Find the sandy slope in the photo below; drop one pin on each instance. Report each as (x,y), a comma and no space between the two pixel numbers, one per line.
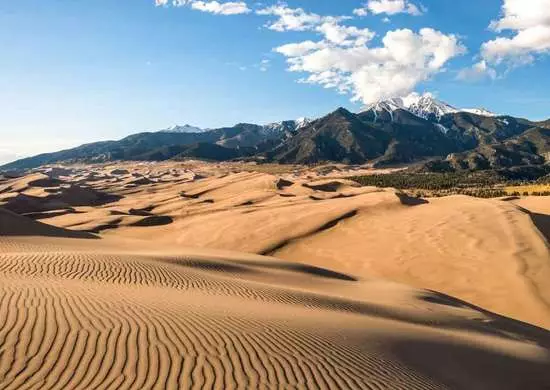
(483,251)
(117,313)
(489,252)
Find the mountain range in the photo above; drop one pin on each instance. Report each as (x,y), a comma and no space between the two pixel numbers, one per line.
(417,128)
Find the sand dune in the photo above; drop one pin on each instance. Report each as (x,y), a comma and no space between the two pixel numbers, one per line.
(12,224)
(489,252)
(79,315)
(346,297)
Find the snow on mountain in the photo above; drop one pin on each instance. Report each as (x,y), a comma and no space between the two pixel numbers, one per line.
(285,126)
(302,122)
(479,111)
(424,106)
(183,129)
(388,106)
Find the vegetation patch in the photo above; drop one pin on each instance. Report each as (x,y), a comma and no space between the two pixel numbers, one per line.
(482,184)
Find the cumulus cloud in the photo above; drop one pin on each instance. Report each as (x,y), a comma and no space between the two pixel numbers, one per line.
(340,35)
(214,7)
(229,8)
(296,19)
(300,49)
(477,72)
(293,19)
(388,7)
(395,68)
(529,23)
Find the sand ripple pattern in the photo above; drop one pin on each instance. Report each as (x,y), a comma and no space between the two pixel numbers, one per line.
(84,320)
(81,321)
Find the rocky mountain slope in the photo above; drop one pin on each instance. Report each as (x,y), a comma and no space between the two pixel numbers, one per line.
(532,147)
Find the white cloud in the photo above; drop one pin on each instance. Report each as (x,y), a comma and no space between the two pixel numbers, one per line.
(477,72)
(292,19)
(360,12)
(389,7)
(229,8)
(212,6)
(518,15)
(296,19)
(300,49)
(345,35)
(530,23)
(348,65)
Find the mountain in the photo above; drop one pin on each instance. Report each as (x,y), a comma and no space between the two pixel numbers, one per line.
(391,132)
(246,138)
(212,152)
(339,136)
(474,130)
(355,138)
(141,146)
(468,128)
(413,138)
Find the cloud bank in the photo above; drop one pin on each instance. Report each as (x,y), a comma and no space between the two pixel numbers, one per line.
(529,22)
(213,7)
(371,73)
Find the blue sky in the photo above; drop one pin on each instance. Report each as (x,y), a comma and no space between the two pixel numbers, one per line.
(74,71)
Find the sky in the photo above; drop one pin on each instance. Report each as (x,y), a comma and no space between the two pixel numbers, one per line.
(77,71)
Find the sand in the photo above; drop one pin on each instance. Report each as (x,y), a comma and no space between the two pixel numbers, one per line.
(201,277)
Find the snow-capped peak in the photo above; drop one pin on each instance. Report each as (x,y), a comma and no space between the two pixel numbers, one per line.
(420,105)
(424,106)
(302,122)
(284,126)
(183,129)
(388,105)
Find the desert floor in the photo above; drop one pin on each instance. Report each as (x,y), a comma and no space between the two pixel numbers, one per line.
(193,275)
